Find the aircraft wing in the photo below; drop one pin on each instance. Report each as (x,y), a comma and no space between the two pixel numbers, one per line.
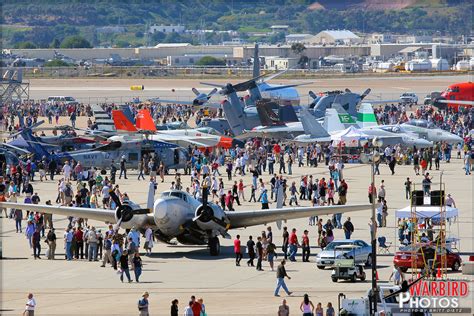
(240,219)
(463,102)
(205,105)
(97,214)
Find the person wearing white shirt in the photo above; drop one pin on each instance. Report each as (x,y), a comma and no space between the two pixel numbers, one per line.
(148,240)
(67,171)
(30,306)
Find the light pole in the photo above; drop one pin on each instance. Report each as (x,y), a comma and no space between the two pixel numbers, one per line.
(373,159)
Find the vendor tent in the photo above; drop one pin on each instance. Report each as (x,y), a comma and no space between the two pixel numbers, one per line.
(427,212)
(351,136)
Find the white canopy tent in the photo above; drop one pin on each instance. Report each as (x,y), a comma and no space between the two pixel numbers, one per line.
(423,212)
(433,213)
(351,136)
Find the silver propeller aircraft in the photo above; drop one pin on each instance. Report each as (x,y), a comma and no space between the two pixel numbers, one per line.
(177,214)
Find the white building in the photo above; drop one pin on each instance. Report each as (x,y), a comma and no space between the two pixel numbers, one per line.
(335,37)
(279,28)
(280,63)
(378,38)
(167,28)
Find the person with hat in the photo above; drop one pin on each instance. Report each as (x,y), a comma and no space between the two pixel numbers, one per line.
(143,305)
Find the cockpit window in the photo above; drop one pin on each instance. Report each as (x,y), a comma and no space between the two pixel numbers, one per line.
(179,195)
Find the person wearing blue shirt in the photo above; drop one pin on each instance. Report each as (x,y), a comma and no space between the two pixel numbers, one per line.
(264,199)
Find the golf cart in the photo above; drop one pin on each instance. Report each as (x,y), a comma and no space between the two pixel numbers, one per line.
(345,267)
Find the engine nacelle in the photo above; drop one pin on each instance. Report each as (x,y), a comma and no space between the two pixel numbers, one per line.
(211,217)
(136,221)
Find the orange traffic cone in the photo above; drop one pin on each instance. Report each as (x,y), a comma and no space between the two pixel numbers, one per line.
(376,275)
(438,274)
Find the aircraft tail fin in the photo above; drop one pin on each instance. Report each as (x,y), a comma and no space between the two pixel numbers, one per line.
(332,122)
(34,146)
(128,113)
(287,113)
(344,117)
(121,122)
(266,114)
(235,117)
(145,121)
(311,125)
(256,62)
(366,116)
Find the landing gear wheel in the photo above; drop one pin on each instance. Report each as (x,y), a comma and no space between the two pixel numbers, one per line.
(214,246)
(334,279)
(363,277)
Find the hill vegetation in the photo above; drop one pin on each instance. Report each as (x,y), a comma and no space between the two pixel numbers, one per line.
(43,23)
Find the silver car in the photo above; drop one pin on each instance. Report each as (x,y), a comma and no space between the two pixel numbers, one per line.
(362,253)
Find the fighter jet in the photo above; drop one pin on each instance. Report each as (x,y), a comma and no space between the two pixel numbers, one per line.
(388,135)
(178,215)
(430,132)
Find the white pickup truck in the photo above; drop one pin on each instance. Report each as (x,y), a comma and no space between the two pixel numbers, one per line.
(409,98)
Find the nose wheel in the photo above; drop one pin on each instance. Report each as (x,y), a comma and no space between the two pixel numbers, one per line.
(214,246)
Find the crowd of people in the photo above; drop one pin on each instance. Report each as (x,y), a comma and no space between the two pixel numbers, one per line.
(242,168)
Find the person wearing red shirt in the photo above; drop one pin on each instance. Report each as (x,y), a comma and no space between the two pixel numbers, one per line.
(277,150)
(196,307)
(237,251)
(293,244)
(79,238)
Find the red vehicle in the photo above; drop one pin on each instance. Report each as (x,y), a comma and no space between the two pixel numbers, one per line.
(462,92)
(403,258)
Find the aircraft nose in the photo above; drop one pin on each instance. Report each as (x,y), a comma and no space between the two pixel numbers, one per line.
(160,209)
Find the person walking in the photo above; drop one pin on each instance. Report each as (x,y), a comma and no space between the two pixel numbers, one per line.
(307,306)
(293,245)
(51,240)
(237,251)
(281,274)
(143,305)
(283,309)
(408,188)
(123,168)
(124,266)
(36,239)
(284,246)
(259,247)
(305,246)
(107,250)
(30,306)
(348,228)
(264,199)
(137,266)
(174,307)
(251,251)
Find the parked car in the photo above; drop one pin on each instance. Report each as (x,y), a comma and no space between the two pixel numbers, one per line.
(403,257)
(409,97)
(362,252)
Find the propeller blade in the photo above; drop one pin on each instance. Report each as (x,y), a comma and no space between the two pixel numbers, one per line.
(195,218)
(366,92)
(211,93)
(312,94)
(115,198)
(212,84)
(196,92)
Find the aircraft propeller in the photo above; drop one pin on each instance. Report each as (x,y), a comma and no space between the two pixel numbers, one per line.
(205,213)
(124,212)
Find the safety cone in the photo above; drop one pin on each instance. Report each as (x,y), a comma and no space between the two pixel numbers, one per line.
(438,274)
(376,275)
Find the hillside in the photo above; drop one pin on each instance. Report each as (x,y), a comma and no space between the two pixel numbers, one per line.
(43,21)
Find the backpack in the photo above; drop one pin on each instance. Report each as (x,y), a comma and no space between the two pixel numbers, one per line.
(68,191)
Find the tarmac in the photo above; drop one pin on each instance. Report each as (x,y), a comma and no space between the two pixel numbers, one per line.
(84,288)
